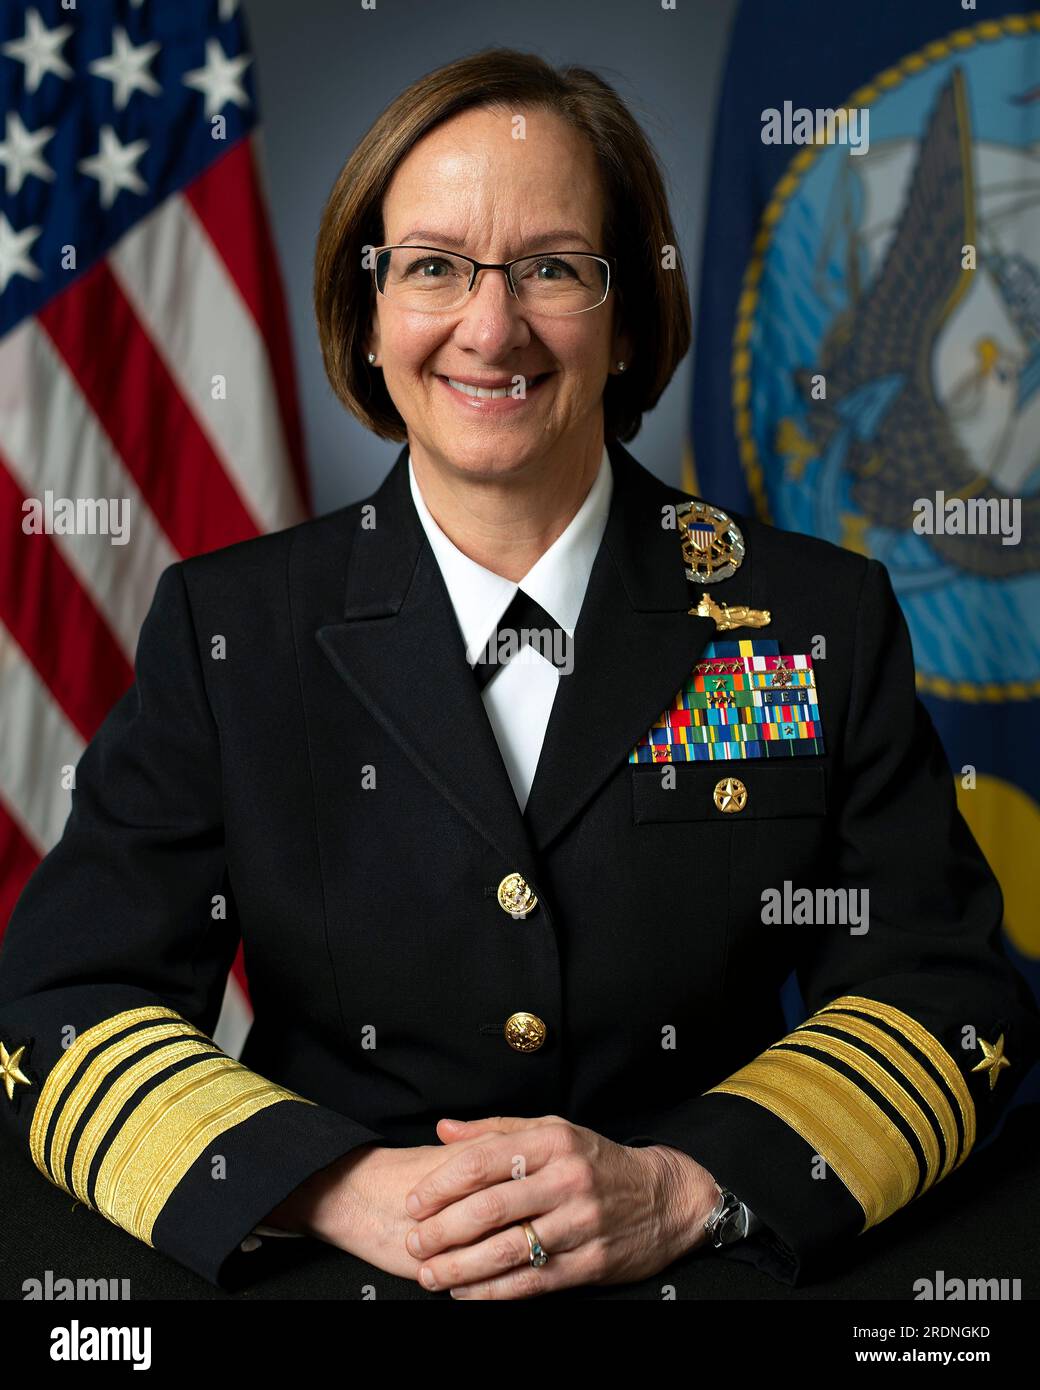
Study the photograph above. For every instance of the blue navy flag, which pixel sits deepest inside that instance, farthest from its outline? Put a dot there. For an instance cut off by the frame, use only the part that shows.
(868, 353)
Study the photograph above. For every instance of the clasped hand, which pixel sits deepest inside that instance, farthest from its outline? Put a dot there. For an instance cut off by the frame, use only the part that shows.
(453, 1216)
(605, 1213)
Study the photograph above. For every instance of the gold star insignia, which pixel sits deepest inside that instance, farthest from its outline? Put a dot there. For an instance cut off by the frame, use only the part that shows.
(730, 794)
(10, 1070)
(993, 1060)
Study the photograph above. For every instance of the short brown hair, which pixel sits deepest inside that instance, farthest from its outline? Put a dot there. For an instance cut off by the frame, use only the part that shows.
(653, 302)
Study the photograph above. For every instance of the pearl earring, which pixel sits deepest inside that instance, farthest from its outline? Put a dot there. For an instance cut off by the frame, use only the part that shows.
(621, 366)
(371, 358)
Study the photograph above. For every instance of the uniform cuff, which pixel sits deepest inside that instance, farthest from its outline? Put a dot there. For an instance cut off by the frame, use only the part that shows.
(831, 1130)
(145, 1120)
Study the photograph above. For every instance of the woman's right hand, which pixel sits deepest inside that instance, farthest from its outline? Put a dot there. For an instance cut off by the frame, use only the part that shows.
(357, 1203)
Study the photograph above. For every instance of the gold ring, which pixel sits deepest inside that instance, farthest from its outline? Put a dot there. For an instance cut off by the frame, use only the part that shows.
(538, 1255)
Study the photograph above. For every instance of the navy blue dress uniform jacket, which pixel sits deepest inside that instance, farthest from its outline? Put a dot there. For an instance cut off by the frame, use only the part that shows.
(229, 794)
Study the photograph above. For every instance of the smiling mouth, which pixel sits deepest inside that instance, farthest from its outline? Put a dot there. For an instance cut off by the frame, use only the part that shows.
(488, 393)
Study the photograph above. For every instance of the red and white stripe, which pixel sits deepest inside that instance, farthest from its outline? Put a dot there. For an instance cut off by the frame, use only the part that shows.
(109, 392)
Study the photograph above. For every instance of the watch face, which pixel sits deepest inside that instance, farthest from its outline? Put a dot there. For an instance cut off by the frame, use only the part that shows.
(730, 1227)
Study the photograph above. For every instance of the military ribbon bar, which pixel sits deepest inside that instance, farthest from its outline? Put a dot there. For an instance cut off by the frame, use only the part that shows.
(743, 699)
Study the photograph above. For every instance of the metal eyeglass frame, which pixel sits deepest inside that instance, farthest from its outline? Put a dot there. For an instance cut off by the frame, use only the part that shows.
(506, 266)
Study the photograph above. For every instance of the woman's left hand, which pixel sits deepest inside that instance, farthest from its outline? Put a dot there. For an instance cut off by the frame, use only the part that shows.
(605, 1213)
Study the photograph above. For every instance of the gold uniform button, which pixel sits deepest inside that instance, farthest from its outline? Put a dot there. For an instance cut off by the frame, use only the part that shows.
(524, 1032)
(730, 795)
(515, 896)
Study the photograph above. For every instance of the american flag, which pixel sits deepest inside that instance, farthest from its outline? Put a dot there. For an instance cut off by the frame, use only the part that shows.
(145, 366)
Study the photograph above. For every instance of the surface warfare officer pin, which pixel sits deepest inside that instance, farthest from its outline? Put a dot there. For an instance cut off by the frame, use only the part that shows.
(712, 549)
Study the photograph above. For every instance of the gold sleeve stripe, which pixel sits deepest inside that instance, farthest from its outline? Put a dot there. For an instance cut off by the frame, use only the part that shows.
(170, 1121)
(86, 1088)
(167, 1095)
(893, 1091)
(839, 1121)
(925, 1043)
(243, 1102)
(923, 1082)
(66, 1066)
(168, 1131)
(125, 1086)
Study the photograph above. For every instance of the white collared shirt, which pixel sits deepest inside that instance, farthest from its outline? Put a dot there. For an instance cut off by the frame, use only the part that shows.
(519, 697)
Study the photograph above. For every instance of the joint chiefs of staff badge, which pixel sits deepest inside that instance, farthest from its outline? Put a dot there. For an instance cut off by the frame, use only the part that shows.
(712, 546)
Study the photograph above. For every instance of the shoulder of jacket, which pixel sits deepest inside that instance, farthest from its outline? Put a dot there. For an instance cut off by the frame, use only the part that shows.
(773, 545)
(264, 558)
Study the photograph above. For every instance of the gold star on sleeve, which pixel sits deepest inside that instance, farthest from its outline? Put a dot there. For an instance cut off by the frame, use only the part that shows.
(10, 1070)
(993, 1059)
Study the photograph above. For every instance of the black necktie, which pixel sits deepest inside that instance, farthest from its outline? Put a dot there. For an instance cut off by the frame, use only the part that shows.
(523, 613)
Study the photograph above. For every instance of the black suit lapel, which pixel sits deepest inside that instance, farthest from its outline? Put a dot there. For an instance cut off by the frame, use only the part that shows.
(634, 645)
(400, 650)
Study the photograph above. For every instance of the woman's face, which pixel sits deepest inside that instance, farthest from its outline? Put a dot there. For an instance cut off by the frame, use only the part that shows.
(469, 186)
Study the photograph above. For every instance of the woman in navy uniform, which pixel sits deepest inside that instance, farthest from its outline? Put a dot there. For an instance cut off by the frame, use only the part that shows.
(526, 783)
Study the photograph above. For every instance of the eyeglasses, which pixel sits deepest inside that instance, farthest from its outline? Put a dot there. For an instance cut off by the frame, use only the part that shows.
(553, 283)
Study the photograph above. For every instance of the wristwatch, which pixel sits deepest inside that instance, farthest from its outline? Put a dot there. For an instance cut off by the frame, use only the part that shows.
(730, 1220)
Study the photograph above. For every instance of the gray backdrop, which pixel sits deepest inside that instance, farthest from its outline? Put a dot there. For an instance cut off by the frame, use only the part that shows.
(325, 68)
